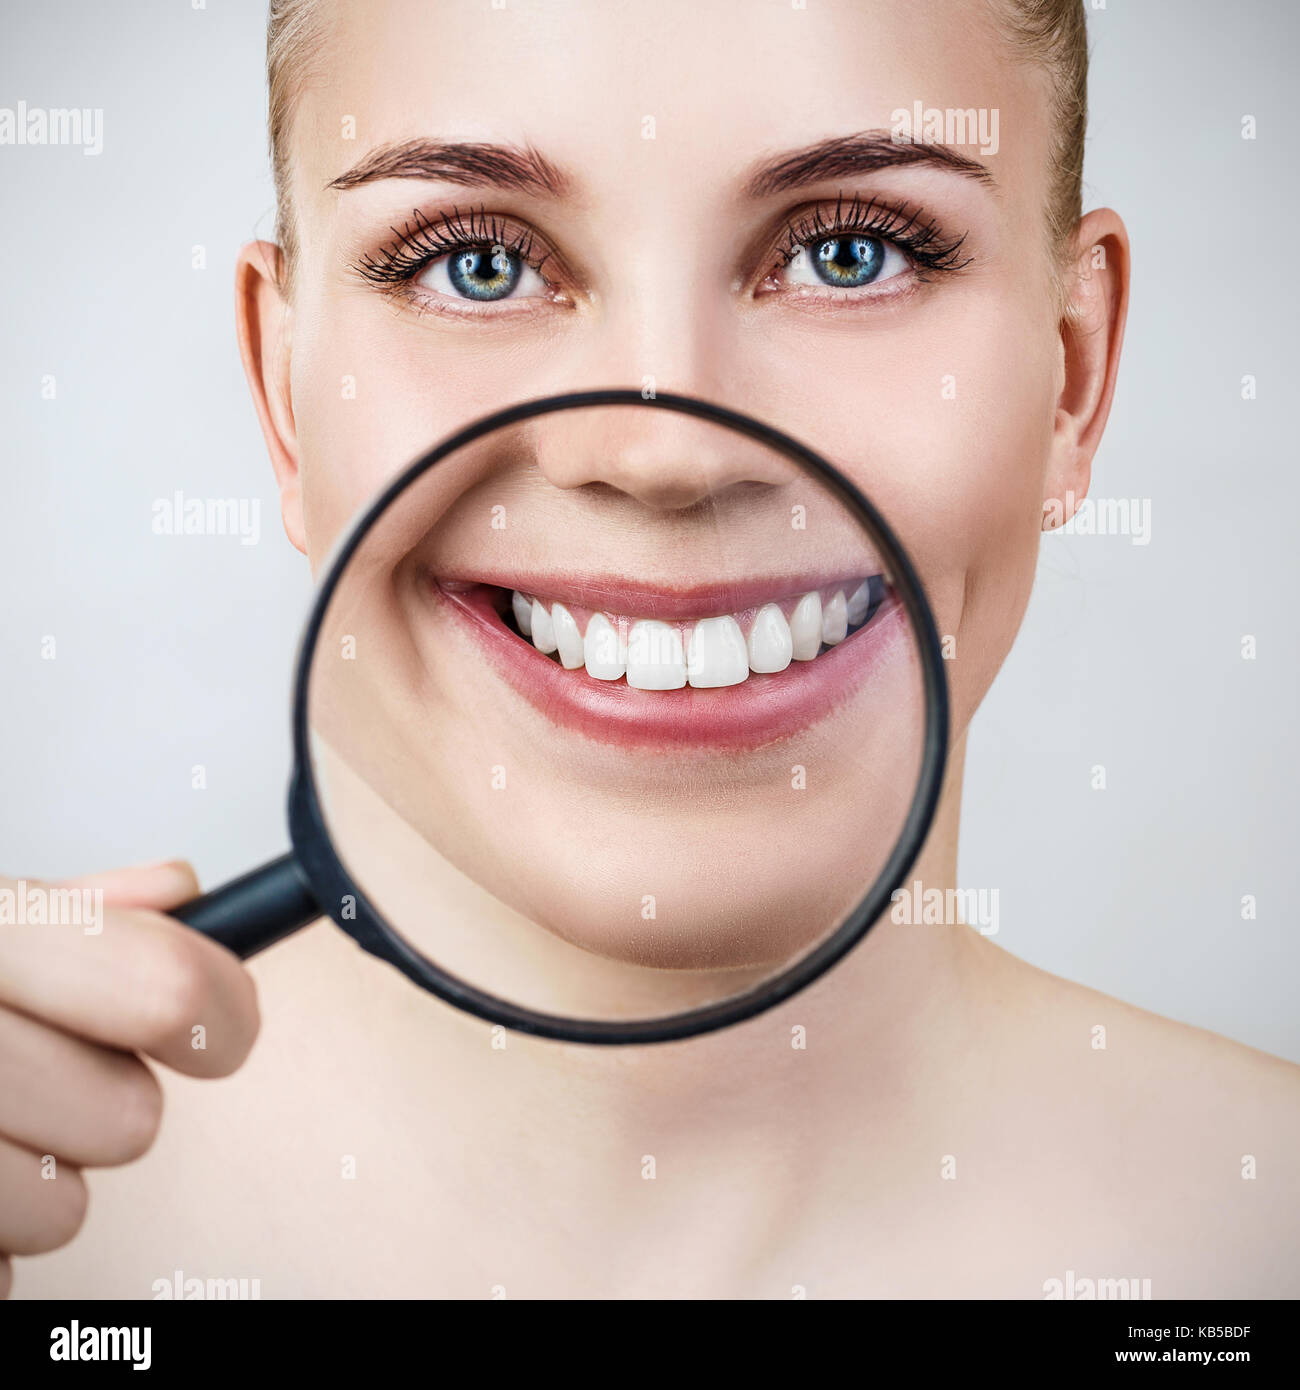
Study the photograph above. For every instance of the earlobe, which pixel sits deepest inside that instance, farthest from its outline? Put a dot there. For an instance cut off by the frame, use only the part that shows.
(264, 320)
(1092, 333)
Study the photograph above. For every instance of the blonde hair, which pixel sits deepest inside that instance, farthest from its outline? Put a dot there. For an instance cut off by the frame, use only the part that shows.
(1054, 35)
(294, 37)
(1050, 33)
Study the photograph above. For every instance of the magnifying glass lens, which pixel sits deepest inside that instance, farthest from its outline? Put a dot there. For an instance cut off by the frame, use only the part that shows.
(617, 714)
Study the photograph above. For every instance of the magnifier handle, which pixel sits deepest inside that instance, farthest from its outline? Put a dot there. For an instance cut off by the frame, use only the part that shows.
(255, 910)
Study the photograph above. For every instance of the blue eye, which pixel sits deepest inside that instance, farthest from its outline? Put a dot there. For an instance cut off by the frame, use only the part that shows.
(484, 273)
(850, 260)
(846, 261)
(481, 273)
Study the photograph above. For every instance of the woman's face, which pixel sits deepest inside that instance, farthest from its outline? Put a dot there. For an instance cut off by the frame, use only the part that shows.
(658, 190)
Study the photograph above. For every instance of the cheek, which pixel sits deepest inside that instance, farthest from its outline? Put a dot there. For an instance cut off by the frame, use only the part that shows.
(947, 427)
(369, 397)
(943, 416)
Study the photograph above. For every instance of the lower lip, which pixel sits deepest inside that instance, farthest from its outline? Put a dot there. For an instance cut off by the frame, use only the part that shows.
(760, 710)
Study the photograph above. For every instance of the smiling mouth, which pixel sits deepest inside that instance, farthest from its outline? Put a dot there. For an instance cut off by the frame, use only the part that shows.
(731, 666)
(709, 652)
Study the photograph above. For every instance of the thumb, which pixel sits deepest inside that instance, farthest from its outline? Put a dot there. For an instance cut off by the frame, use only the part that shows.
(162, 886)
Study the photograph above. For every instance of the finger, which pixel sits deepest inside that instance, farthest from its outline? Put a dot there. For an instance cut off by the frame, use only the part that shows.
(161, 886)
(44, 1200)
(143, 983)
(91, 1105)
(6, 1276)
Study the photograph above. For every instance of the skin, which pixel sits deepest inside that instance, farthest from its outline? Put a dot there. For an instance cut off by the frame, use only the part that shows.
(421, 712)
(929, 1050)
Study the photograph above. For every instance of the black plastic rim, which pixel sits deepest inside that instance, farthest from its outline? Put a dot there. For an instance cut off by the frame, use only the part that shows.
(334, 886)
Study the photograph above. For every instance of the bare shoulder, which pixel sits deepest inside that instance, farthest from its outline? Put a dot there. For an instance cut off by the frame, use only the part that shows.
(1171, 1065)
(1185, 1141)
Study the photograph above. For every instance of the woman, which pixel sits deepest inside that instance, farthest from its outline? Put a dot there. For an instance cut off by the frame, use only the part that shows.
(747, 204)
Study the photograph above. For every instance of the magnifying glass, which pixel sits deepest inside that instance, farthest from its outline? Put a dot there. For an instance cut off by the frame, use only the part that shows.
(616, 720)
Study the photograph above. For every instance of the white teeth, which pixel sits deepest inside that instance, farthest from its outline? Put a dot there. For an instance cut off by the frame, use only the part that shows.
(604, 652)
(806, 627)
(770, 645)
(567, 638)
(835, 620)
(716, 654)
(654, 656)
(543, 630)
(859, 602)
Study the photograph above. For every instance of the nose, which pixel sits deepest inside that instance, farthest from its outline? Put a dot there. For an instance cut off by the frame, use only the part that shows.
(664, 324)
(660, 457)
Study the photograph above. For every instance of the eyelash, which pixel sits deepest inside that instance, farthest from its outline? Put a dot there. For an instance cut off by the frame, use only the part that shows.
(920, 239)
(420, 241)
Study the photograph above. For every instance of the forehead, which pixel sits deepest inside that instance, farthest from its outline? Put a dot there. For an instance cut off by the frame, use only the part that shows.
(629, 94)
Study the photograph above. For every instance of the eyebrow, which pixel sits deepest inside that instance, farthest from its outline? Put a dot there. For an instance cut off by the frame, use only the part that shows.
(863, 153)
(477, 164)
(469, 163)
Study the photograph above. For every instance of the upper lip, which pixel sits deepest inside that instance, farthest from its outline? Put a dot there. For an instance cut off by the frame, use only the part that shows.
(667, 602)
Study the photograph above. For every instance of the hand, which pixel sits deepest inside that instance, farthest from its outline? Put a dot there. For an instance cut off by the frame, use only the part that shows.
(78, 1001)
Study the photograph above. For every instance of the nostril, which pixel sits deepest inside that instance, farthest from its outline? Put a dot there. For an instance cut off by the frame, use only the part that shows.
(666, 463)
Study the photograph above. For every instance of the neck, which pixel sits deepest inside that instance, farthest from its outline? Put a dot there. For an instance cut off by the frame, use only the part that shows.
(871, 1026)
(818, 1112)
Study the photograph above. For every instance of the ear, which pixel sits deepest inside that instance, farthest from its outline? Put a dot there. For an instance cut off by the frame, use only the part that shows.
(1092, 332)
(265, 321)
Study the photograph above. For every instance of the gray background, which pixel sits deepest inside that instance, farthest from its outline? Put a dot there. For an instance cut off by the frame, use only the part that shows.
(176, 652)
